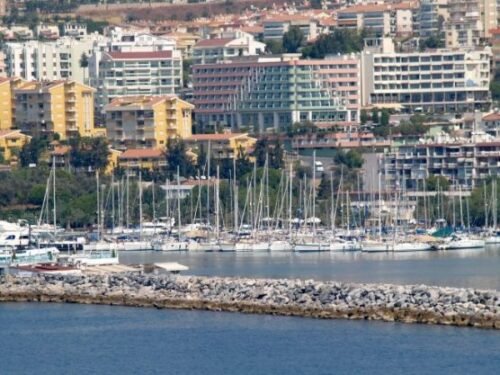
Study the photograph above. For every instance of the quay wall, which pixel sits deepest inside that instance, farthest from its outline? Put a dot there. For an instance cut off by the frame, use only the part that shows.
(305, 298)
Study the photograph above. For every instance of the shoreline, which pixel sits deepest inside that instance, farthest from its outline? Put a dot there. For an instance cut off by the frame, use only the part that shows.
(286, 297)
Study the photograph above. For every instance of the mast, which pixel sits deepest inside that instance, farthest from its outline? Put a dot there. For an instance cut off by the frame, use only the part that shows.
(54, 193)
(113, 202)
(127, 208)
(290, 198)
(98, 206)
(178, 205)
(208, 185)
(235, 193)
(332, 223)
(140, 204)
(217, 213)
(314, 194)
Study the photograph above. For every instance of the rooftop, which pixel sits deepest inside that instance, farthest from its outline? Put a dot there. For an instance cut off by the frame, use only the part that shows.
(216, 42)
(142, 153)
(157, 55)
(215, 137)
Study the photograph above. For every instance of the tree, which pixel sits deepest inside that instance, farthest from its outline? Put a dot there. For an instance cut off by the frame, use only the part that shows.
(384, 117)
(340, 41)
(432, 42)
(495, 89)
(272, 151)
(293, 39)
(176, 157)
(89, 153)
(351, 159)
(30, 152)
(274, 46)
(84, 60)
(363, 117)
(435, 183)
(186, 71)
(316, 4)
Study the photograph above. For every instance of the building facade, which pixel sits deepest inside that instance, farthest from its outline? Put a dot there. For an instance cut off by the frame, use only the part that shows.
(433, 81)
(221, 146)
(62, 107)
(275, 92)
(464, 25)
(7, 102)
(48, 61)
(466, 163)
(210, 51)
(147, 121)
(11, 143)
(138, 73)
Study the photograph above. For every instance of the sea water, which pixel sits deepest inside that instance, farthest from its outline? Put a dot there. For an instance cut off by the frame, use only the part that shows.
(81, 339)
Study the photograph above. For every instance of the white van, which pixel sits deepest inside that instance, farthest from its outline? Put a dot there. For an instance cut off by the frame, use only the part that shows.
(318, 165)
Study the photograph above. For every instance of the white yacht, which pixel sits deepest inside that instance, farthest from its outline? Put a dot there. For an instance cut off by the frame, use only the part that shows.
(280, 245)
(462, 242)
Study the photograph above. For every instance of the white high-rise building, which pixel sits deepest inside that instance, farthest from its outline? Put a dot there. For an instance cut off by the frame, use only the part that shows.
(49, 61)
(131, 63)
(443, 81)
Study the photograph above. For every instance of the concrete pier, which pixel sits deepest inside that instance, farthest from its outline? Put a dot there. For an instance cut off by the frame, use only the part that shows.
(306, 298)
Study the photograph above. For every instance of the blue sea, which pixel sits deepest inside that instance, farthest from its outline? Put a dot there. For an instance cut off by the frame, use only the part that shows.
(80, 339)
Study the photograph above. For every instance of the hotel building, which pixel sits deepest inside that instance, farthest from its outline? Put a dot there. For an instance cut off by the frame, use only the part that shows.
(147, 121)
(273, 92)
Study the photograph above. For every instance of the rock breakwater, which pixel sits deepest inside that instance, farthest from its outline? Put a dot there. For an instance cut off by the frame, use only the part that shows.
(307, 298)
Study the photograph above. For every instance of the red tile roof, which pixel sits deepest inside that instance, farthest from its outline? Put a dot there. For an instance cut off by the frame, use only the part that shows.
(140, 55)
(141, 153)
(214, 137)
(216, 42)
(495, 116)
(60, 150)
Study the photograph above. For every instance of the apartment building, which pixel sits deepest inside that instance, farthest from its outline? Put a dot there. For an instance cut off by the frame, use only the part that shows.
(381, 19)
(466, 162)
(7, 103)
(265, 92)
(11, 143)
(221, 146)
(429, 17)
(49, 61)
(276, 26)
(138, 73)
(147, 121)
(62, 107)
(491, 124)
(464, 26)
(75, 30)
(489, 16)
(144, 158)
(441, 81)
(230, 45)
(3, 73)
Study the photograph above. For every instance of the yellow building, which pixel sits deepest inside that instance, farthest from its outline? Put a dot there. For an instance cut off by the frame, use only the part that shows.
(11, 142)
(144, 158)
(147, 121)
(7, 105)
(185, 43)
(221, 146)
(62, 107)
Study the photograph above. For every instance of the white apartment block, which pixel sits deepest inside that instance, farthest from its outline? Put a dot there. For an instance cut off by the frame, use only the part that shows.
(275, 27)
(442, 81)
(230, 45)
(138, 73)
(381, 19)
(119, 40)
(75, 30)
(48, 61)
(464, 26)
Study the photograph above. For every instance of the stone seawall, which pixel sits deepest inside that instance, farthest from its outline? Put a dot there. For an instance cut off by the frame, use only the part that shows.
(306, 298)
